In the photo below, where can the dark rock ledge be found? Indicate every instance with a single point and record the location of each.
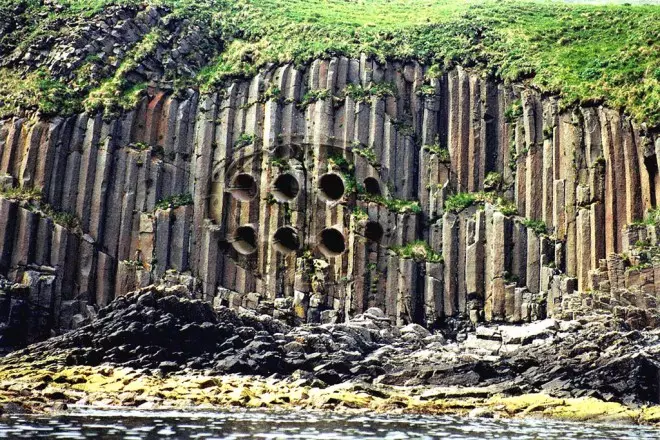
(161, 332)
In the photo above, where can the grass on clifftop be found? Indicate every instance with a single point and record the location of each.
(587, 53)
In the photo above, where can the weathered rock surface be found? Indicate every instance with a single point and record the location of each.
(163, 329)
(308, 207)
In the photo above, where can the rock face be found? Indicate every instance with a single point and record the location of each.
(308, 192)
(161, 328)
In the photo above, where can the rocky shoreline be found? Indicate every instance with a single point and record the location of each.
(156, 347)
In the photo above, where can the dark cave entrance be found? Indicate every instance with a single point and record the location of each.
(332, 242)
(244, 187)
(245, 240)
(285, 187)
(285, 240)
(332, 186)
(373, 231)
(372, 186)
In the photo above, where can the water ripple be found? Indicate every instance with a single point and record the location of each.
(86, 423)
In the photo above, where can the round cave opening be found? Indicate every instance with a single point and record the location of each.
(372, 186)
(373, 231)
(332, 186)
(244, 187)
(286, 240)
(285, 187)
(245, 240)
(332, 242)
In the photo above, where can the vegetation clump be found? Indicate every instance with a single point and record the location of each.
(363, 94)
(652, 218)
(401, 206)
(460, 201)
(314, 96)
(438, 150)
(538, 226)
(586, 53)
(175, 201)
(360, 215)
(244, 140)
(366, 152)
(346, 169)
(117, 93)
(32, 199)
(419, 251)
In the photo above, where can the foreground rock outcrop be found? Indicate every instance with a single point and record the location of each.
(161, 331)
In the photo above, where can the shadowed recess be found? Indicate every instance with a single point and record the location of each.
(332, 186)
(373, 231)
(285, 240)
(245, 240)
(332, 242)
(285, 187)
(372, 186)
(243, 187)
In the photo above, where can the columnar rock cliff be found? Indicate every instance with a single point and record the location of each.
(313, 193)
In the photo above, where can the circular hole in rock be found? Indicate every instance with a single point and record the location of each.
(332, 242)
(244, 187)
(372, 186)
(286, 240)
(283, 152)
(245, 240)
(285, 187)
(373, 231)
(332, 186)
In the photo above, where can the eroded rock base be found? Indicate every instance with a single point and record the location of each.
(158, 346)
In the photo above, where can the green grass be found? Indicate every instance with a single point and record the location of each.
(537, 226)
(174, 201)
(419, 251)
(652, 218)
(32, 199)
(587, 53)
(460, 201)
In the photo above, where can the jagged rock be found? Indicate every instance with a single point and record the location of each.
(164, 329)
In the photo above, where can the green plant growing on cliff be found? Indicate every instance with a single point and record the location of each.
(652, 217)
(280, 162)
(117, 93)
(313, 96)
(513, 111)
(585, 53)
(174, 201)
(32, 199)
(366, 152)
(426, 90)
(458, 202)
(438, 150)
(29, 195)
(400, 206)
(494, 181)
(404, 127)
(139, 146)
(358, 93)
(273, 93)
(639, 267)
(538, 226)
(419, 251)
(339, 164)
(359, 214)
(244, 139)
(135, 264)
(548, 132)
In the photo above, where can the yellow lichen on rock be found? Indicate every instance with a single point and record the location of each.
(574, 409)
(38, 390)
